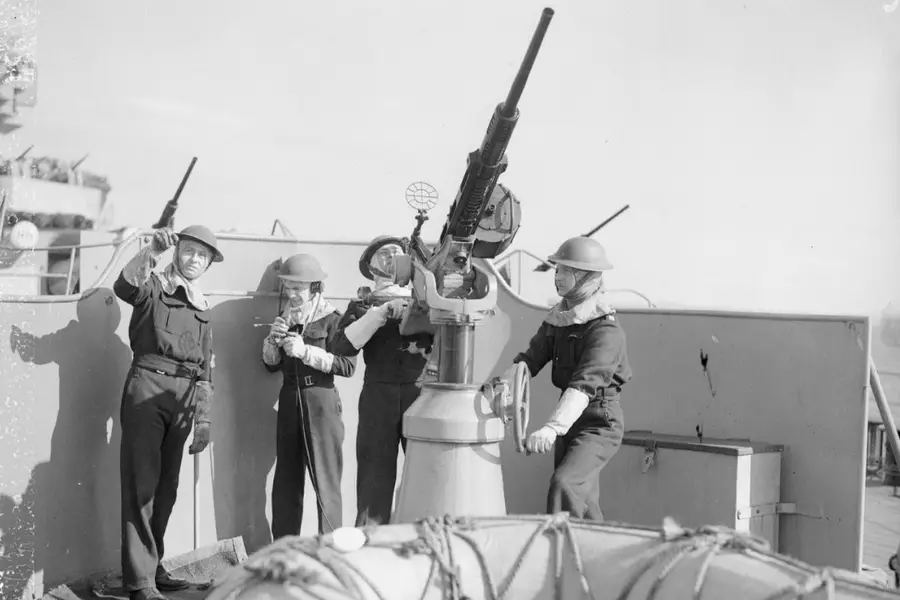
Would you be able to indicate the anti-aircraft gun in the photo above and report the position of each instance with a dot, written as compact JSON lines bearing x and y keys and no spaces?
{"x":453,"y":435}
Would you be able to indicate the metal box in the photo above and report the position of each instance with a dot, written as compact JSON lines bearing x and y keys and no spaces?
{"x":735,"y":483}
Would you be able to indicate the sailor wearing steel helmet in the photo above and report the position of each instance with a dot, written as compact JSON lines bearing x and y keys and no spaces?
{"x":586,"y":344}
{"x":310,"y":429}
{"x":394,"y":367}
{"x":167,"y":391}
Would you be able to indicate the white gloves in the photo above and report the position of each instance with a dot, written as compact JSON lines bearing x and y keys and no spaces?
{"x":318,"y":358}
{"x":570,"y":407}
{"x":361,"y":331}
{"x":312,"y":356}
{"x":294,"y":346}
{"x":541,"y":441}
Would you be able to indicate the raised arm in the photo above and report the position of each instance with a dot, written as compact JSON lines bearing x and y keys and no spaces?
{"x":339,"y":344}
{"x":134,"y":285}
{"x":361,"y":323}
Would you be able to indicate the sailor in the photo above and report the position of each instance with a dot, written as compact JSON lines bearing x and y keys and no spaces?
{"x":581,"y":336}
{"x":394,"y":368}
{"x":168,"y":388}
{"x":310,"y":430}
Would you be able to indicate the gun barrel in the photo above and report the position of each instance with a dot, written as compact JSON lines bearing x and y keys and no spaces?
{"x":518,"y":86}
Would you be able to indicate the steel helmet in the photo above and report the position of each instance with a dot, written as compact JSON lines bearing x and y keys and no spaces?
{"x":303,"y":268}
{"x":374,"y":246}
{"x":581,"y":253}
{"x":205,"y":236}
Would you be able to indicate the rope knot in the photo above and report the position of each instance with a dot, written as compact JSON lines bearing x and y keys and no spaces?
{"x":408,"y":549}
{"x":713,"y":535}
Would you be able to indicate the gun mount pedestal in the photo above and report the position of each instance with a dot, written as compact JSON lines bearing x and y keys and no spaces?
{"x":453,"y":433}
{"x":452,"y":464}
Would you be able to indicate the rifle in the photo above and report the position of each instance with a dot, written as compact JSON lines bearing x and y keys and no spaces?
{"x":167,"y":219}
{"x":544,"y":267}
{"x":484,"y":166}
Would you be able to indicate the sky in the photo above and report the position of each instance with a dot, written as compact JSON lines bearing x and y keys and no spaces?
{"x":756,"y":141}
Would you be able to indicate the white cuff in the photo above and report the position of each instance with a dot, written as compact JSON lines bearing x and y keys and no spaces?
{"x":318,"y":359}
{"x":361,"y":331}
{"x":570,"y":407}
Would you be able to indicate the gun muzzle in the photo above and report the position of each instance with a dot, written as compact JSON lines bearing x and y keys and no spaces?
{"x":518,"y":86}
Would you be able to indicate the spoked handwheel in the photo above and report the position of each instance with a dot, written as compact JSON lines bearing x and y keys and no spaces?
{"x":520,"y":390}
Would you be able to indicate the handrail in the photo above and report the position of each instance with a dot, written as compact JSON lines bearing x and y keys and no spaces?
{"x":125,"y":242}
{"x":505,"y":259}
{"x":69,"y":297}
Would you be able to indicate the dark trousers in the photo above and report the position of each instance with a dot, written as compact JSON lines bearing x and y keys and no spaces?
{"x":156,"y":421}
{"x":580,"y":455}
{"x":310,"y":434}
{"x":381,"y":408}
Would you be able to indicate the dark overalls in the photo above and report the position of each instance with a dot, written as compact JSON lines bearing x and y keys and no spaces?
{"x":394,"y":364}
{"x":592,"y":359}
{"x":172,"y":345}
{"x":310,"y":435}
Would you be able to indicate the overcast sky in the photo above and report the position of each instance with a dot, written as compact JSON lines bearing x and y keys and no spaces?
{"x":757,"y":142}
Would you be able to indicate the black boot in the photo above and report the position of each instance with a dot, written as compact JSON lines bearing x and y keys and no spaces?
{"x":166,"y":582}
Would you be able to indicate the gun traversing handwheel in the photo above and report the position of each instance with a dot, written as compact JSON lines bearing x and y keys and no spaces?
{"x":511,"y":398}
{"x":520,"y":390}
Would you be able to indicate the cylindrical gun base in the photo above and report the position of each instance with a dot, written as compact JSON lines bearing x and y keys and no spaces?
{"x":456,"y":361}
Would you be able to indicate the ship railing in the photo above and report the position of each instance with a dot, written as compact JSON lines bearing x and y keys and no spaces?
{"x":72,"y":252}
{"x":521,"y":253}
{"x":120,"y":245}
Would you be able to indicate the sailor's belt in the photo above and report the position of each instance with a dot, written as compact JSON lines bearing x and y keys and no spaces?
{"x":168,"y":366}
{"x":316,"y":379}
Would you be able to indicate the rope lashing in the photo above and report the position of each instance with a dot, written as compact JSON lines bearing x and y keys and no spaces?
{"x":435,"y":539}
{"x":680,"y":542}
{"x":823,"y":579}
